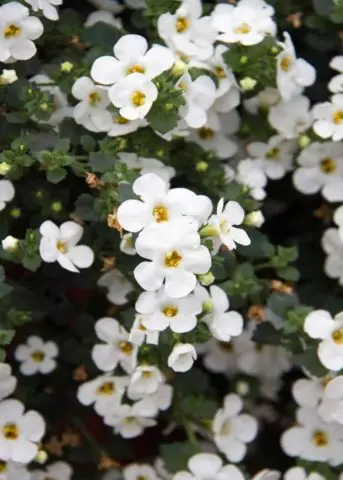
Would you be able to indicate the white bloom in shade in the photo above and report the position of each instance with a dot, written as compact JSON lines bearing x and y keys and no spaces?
{"x":292,"y":117}
{"x":333,"y":247}
{"x":10,"y":244}
{"x":131,"y":55}
{"x":199,"y":94}
{"x":298,"y":473}
{"x":247,"y":23}
{"x":159,"y":311}
{"x":36,"y":356}
{"x":48,"y":8}
{"x":20,"y":432}
{"x":338,"y":219}
{"x":275,"y":156}
{"x":159,"y":205}
{"x":6,"y":193}
{"x":59,"y":244}
{"x":133,"y":95}
{"x":336,"y":83}
{"x":8,"y":76}
{"x":127,"y":244}
{"x":149,"y":405}
{"x":175,"y":257}
{"x":123,"y":126}
{"x":320,"y":325}
{"x":308,"y":392}
{"x":145,"y":380}
{"x":268,"y":475}
{"x":321,"y":168}
{"x":331,"y":408}
{"x":103,"y":16}
{"x":292,"y":74}
{"x":267,"y":98}
{"x":222,"y":323}
{"x":91,"y":110}
{"x":223,"y":226}
{"x":233,"y":430}
{"x":104,"y":391}
{"x":204,"y":466}
{"x":182,"y":357}
{"x":55,"y":471}
{"x":13,"y":471}
{"x":329,"y":118}
{"x":139,"y":334}
{"x":128,"y":421}
{"x":147,"y":165}
{"x":7,"y":381}
{"x":18,"y":30}
{"x":312,"y":439}
{"x":116,"y":348}
{"x":220,"y":357}
{"x":135,"y":4}
{"x":118,"y":286}
{"x":252,"y":174}
{"x":137,"y":471}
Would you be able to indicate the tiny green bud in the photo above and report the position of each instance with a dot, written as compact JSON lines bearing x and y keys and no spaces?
{"x":56,"y":207}
{"x":168,"y":107}
{"x":201,"y":166}
{"x":66,"y":67}
{"x":122,"y":144}
{"x":206,"y":279}
{"x":254,"y":219}
{"x":39,"y":194}
{"x":15,"y":212}
{"x":248,"y":83}
{"x":4,"y":168}
{"x":207,"y":306}
{"x":160,"y":152}
{"x":274,"y":50}
{"x":43,"y":106}
{"x":41,"y":457}
{"x":244,"y":59}
{"x":304,"y":141}
{"x":179,"y":68}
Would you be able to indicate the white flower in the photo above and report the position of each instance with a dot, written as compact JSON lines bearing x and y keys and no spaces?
{"x":251,"y":174}
{"x":123,"y":126}
{"x":128,"y":421}
{"x":8,"y":76}
{"x":159,"y":311}
{"x":247,"y":23}
{"x":312,"y":439}
{"x":103,"y":16}
{"x":17,"y":30}
{"x":182,"y":357}
{"x":221,"y":226}
{"x":336,"y":83}
{"x":139,"y":334}
{"x":333,"y":247}
{"x":91,"y":110}
{"x":175,"y":257}
{"x":48,"y":8}
{"x":20,"y":432}
{"x":59,"y":244}
{"x":298,"y":473}
{"x":321,"y":168}
{"x":116,"y":350}
{"x":291,"y":118}
{"x":133,"y":95}
{"x":127,"y":244}
{"x":137,"y":471}
{"x":145,"y":380}
{"x":220,"y":357}
{"x":104,"y":391}
{"x":308,"y":392}
{"x":329,"y":118}
{"x":338,"y":219}
{"x":267,"y":98}
{"x":147,"y":165}
{"x":132,"y":56}
{"x":6,"y":193}
{"x":331,"y":407}
{"x":8,"y":382}
{"x":13,"y":471}
{"x":222,"y":323}
{"x":159,"y":205}
{"x":199,"y":95}
{"x":292,"y":74}
{"x":275,"y":156}
{"x":114,"y":6}
{"x":205,"y":466}
{"x":149,"y":405}
{"x":232,"y":430}
{"x":118,"y":286}
{"x":319,"y":324}
{"x":55,"y":471}
{"x":268,"y":475}
{"x":36,"y":356}
{"x":10,"y":244}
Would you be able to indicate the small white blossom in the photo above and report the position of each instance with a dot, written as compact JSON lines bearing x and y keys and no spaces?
{"x":10,"y":244}
{"x":336,"y":83}
{"x":55,"y":471}
{"x":220,"y":357}
{"x":122,"y":126}
{"x":331,"y":407}
{"x":8,"y":382}
{"x":59,"y":244}
{"x":140,"y":334}
{"x":48,"y":8}
{"x":329,"y":118}
{"x":298,"y":473}
{"x":127,"y":244}
{"x":267,"y":98}
{"x":145,"y":380}
{"x":128,"y":421}
{"x":36,"y":356}
{"x":137,"y":471}
{"x":147,"y":165}
{"x":204,"y":466}
{"x":118,"y":286}
{"x":251,"y":174}
{"x":291,"y":118}
{"x":14,"y":471}
{"x":114,"y":6}
{"x":103,"y":16}
{"x":182,"y":357}
{"x":8,"y":76}
{"x":254,"y":219}
{"x":6,"y":193}
{"x":333,"y":247}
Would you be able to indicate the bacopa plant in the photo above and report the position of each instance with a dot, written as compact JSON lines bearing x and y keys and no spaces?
{"x":171,"y":231}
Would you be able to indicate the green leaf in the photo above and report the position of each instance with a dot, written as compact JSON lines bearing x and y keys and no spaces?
{"x":2,"y":354}
{"x":260,"y":246}
{"x":84,"y":207}
{"x":6,"y":336}
{"x":265,"y":333}
{"x":289,"y":273}
{"x":199,"y":407}
{"x":56,"y":175}
{"x":5,"y":289}
{"x":192,"y":382}
{"x":176,"y":456}
{"x":125,"y":192}
{"x":31,"y":262}
{"x":102,"y":35}
{"x":309,"y":360}
{"x":280,"y":303}
{"x":88,"y":143}
{"x":100,"y":162}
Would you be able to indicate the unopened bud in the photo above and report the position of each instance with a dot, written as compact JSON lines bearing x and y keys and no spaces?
{"x":254,"y":219}
{"x":15,"y":212}
{"x":43,"y":106}
{"x":56,"y":207}
{"x":66,"y":67}
{"x":206,"y":279}
{"x":244,"y":60}
{"x":7,"y":77}
{"x":209,"y":231}
{"x":207,"y":306}
{"x":10,"y":244}
{"x":4,"y":168}
{"x":179,"y":68}
{"x":304,"y":141}
{"x":248,"y":83}
{"x":41,"y":457}
{"x":201,"y":166}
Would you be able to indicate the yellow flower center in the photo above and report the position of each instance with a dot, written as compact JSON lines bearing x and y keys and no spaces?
{"x":125,"y":347}
{"x":286,"y":63}
{"x":243,"y":28}
{"x":160,"y":213}
{"x":147,"y":374}
{"x":259,"y":347}
{"x":224,"y":226}
{"x":226,"y":346}
{"x":320,"y":439}
{"x":219,"y":71}
{"x":12,"y":31}
{"x":182,"y":24}
{"x":170,"y":311}
{"x":337,"y":336}
{"x":135,"y":69}
{"x":172,"y":259}
{"x":328,"y":165}
{"x":138,"y":98}
{"x":130,"y":420}
{"x":10,"y":431}
{"x":61,"y":246}
{"x":38,"y":356}
{"x":106,"y":388}
{"x":206,"y":133}
{"x":94,"y":98}
{"x":120,"y":120}
{"x":338,"y":117}
{"x":273,"y":153}
{"x":141,"y":477}
{"x":3,"y":467}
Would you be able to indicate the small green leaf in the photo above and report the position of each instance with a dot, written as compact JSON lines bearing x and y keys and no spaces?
{"x":6,"y":336}
{"x":56,"y":175}
{"x":31,"y":262}
{"x":100,"y":162}
{"x":289,"y":273}
{"x":176,"y":456}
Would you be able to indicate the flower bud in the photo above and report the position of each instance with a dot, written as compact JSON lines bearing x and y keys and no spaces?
{"x":66,"y":67}
{"x":201,"y":166}
{"x":41,"y":457}
{"x":10,"y":244}
{"x":248,"y":83}
{"x":304,"y":141}
{"x":206,"y":279}
{"x":254,"y":219}
{"x":7,"y":77}
{"x":4,"y":168}
{"x":179,"y":68}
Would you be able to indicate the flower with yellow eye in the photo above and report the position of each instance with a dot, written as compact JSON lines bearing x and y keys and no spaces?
{"x":36,"y":356}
